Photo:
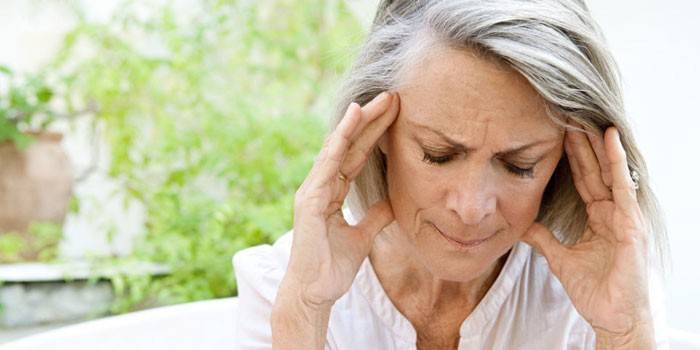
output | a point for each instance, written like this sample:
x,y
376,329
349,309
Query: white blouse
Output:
x,y
525,308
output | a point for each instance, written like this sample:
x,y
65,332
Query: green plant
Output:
x,y
39,243
28,105
213,116
25,105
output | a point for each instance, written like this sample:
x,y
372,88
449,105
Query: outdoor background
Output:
x,y
204,116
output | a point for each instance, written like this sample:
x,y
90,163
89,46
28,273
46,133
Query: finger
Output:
x,y
367,114
338,144
364,145
321,157
589,168
543,240
624,193
576,174
372,110
378,216
596,141
315,166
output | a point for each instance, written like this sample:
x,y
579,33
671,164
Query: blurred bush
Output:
x,y
24,106
213,113
39,243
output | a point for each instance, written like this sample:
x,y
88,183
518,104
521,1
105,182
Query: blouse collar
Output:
x,y
473,325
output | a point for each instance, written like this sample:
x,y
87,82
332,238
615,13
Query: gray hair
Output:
x,y
554,44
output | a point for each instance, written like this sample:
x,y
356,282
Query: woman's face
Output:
x,y
468,159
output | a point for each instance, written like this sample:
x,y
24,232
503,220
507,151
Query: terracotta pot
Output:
x,y
35,184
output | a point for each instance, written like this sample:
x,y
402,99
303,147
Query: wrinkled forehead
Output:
x,y
464,95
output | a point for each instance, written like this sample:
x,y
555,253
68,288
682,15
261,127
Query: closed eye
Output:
x,y
526,172
428,158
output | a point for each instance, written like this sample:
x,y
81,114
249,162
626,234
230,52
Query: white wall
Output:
x,y
657,46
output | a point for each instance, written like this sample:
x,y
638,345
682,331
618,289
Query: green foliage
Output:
x,y
11,247
25,105
39,243
213,116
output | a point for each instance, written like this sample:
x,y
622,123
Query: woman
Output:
x,y
487,128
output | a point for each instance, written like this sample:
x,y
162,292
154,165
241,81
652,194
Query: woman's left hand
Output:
x,y
605,272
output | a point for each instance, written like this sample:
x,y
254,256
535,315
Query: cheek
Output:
x,y
411,185
412,178
519,207
520,203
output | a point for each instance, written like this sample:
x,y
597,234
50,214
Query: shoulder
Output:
x,y
266,255
263,265
259,271
540,305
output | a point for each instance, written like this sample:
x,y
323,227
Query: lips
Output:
x,y
464,243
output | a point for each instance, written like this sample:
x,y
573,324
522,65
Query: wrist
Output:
x,y
292,291
639,336
298,322
290,295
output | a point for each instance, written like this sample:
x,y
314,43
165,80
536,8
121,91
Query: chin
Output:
x,y
453,269
448,261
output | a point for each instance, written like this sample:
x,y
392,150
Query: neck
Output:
x,y
413,288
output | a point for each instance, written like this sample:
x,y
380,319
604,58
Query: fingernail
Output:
x,y
614,132
350,107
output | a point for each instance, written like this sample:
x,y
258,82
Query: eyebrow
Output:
x,y
463,148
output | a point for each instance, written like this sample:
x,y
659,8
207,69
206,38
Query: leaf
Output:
x,y
44,94
18,99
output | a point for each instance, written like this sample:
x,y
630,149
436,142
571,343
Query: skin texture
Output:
x,y
476,193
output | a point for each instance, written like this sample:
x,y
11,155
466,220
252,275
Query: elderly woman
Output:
x,y
469,133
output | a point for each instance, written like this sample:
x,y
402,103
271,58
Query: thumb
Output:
x,y
542,239
378,216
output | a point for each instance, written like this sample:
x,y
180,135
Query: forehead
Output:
x,y
464,95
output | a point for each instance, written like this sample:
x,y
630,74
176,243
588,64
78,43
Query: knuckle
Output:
x,y
622,157
336,157
299,199
640,239
366,152
321,156
328,138
625,188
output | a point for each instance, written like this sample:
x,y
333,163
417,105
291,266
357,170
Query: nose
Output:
x,y
472,197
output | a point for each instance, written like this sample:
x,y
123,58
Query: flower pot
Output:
x,y
35,184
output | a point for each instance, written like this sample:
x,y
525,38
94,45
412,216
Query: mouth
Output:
x,y
464,244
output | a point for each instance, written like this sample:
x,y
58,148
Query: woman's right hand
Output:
x,y
326,251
